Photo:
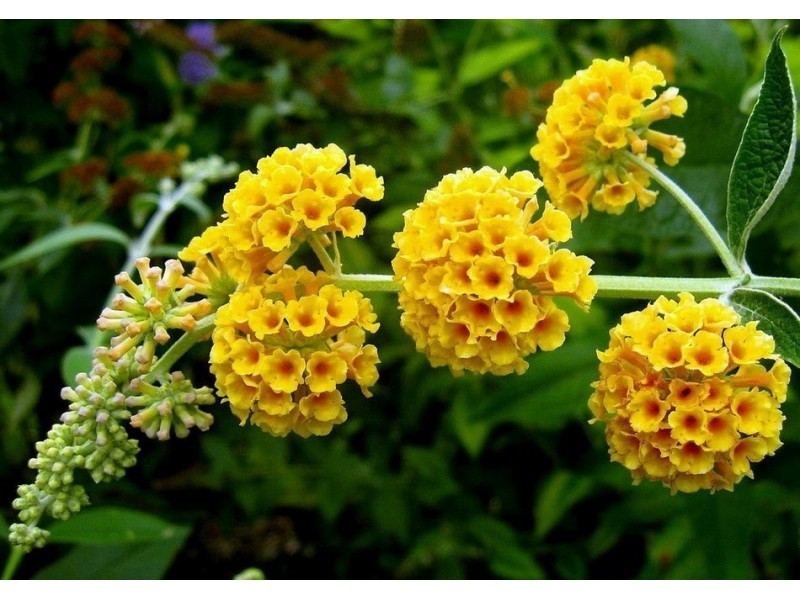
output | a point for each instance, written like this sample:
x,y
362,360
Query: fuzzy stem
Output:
x,y
783,286
167,204
728,259
648,288
620,286
322,254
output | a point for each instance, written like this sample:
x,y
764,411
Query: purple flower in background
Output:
x,y
204,36
195,68
198,66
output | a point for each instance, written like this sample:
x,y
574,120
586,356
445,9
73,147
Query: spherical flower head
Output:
x,y
478,277
659,56
690,396
285,343
598,118
294,194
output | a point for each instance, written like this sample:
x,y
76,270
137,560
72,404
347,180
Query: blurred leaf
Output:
x,y
554,390
726,546
711,130
430,472
13,299
349,29
141,206
766,154
390,512
559,494
774,316
472,433
194,204
28,196
714,46
62,238
58,161
76,360
108,525
17,404
672,555
664,231
507,558
147,560
486,62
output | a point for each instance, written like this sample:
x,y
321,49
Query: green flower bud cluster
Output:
x,y
31,504
91,437
172,406
142,317
126,377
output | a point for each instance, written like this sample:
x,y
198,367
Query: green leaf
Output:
x,y
75,360
62,238
775,317
108,526
115,543
561,492
147,560
765,157
482,64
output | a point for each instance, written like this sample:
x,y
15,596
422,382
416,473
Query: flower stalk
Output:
x,y
728,259
620,286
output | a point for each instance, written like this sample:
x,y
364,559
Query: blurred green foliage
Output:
x,y
434,476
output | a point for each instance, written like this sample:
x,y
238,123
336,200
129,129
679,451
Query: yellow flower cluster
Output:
x,y
294,194
477,277
283,344
685,397
597,118
659,56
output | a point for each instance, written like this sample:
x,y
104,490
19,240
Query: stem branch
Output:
x,y
728,259
322,254
619,286
187,340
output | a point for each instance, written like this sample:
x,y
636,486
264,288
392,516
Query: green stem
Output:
x,y
648,288
322,254
784,286
620,286
12,563
728,259
367,283
187,340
